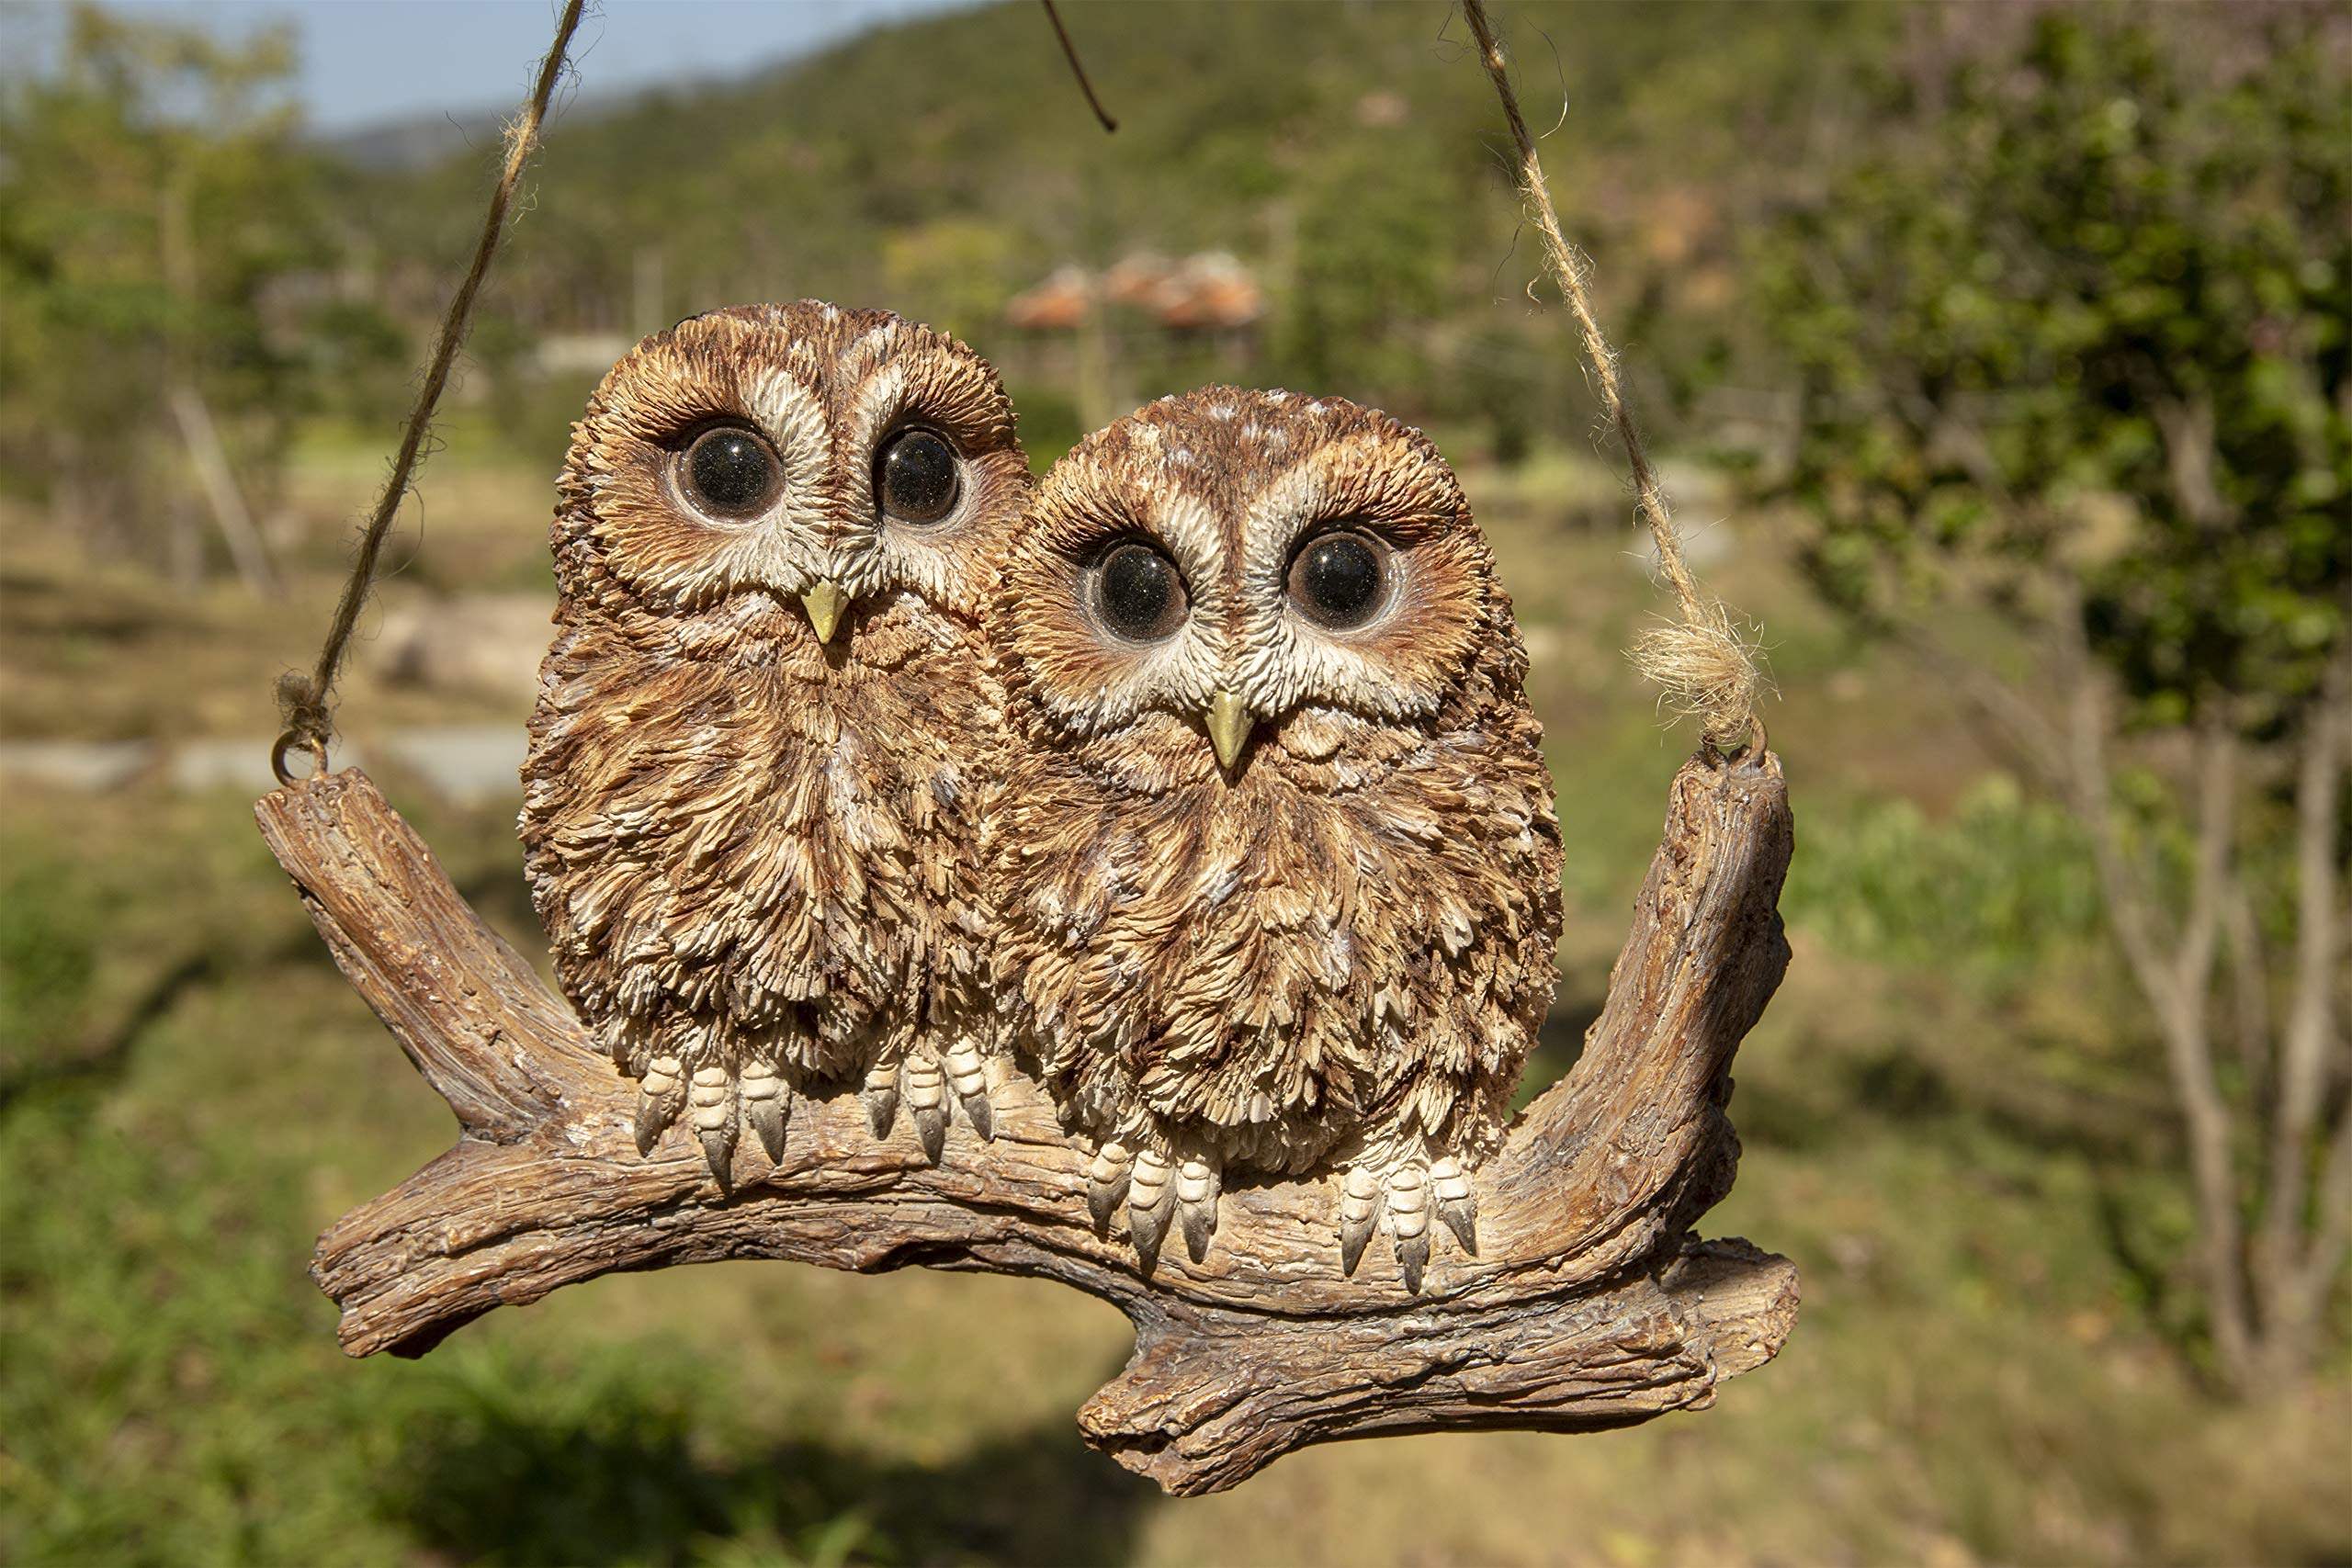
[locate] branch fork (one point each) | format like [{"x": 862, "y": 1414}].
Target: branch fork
[{"x": 1591, "y": 1303}]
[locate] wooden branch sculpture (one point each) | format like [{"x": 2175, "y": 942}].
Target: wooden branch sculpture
[{"x": 1590, "y": 1305}]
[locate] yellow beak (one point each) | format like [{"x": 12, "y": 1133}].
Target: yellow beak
[
  {"x": 825, "y": 603},
  {"x": 1230, "y": 725}
]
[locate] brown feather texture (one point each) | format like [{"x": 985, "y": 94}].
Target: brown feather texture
[
  {"x": 1278, "y": 876},
  {"x": 759, "y": 762}
]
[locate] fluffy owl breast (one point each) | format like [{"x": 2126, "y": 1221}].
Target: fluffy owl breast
[
  {"x": 734, "y": 823},
  {"x": 1270, "y": 967}
]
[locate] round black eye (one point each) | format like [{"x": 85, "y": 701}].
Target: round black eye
[
  {"x": 915, "y": 477},
  {"x": 1138, "y": 593},
  {"x": 730, "y": 472},
  {"x": 1339, "y": 579}
]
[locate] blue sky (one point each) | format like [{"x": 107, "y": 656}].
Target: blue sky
[{"x": 367, "y": 62}]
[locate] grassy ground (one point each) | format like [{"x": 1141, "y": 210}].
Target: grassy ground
[{"x": 1952, "y": 1112}]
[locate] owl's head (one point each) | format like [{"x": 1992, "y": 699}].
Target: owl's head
[
  {"x": 1228, "y": 564},
  {"x": 800, "y": 451}
]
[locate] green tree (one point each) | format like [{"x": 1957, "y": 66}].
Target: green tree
[
  {"x": 156, "y": 214},
  {"x": 2074, "y": 339}
]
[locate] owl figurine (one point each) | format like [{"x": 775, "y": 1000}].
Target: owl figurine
[
  {"x": 758, "y": 765},
  {"x": 1276, "y": 862}
]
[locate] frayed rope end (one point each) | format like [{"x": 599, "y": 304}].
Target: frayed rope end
[{"x": 1706, "y": 668}]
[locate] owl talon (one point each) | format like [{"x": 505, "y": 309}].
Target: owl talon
[
  {"x": 1106, "y": 1184},
  {"x": 1152, "y": 1203},
  {"x": 1458, "y": 1201},
  {"x": 880, "y": 1096},
  {"x": 925, "y": 1089},
  {"x": 718, "y": 1152},
  {"x": 1408, "y": 1221},
  {"x": 711, "y": 1108},
  {"x": 1197, "y": 1188},
  {"x": 968, "y": 1077},
  {"x": 931, "y": 1131},
  {"x": 1413, "y": 1256},
  {"x": 1358, "y": 1213},
  {"x": 660, "y": 1095},
  {"x": 983, "y": 1117},
  {"x": 1401, "y": 1202},
  {"x": 765, "y": 1108}
]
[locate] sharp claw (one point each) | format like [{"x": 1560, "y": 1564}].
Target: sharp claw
[
  {"x": 1101, "y": 1202},
  {"x": 930, "y": 1130},
  {"x": 1196, "y": 1195},
  {"x": 1457, "y": 1203},
  {"x": 651, "y": 1118},
  {"x": 1150, "y": 1227},
  {"x": 1200, "y": 1224},
  {"x": 767, "y": 1117},
  {"x": 718, "y": 1150},
  {"x": 880, "y": 1096},
  {"x": 660, "y": 1094},
  {"x": 711, "y": 1107},
  {"x": 1408, "y": 1222},
  {"x": 983, "y": 1117},
  {"x": 1106, "y": 1184},
  {"x": 967, "y": 1075},
  {"x": 926, "y": 1093},
  {"x": 1359, "y": 1210},
  {"x": 1413, "y": 1256},
  {"x": 1151, "y": 1200},
  {"x": 764, "y": 1107}
]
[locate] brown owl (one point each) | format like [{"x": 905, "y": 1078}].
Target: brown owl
[
  {"x": 1277, "y": 866},
  {"x": 757, "y": 768}
]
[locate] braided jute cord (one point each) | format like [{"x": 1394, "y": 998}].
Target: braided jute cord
[
  {"x": 1703, "y": 663},
  {"x": 302, "y": 700}
]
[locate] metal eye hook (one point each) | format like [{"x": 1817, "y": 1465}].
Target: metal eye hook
[{"x": 286, "y": 743}]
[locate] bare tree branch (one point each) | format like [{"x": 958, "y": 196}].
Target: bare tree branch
[
  {"x": 2187, "y": 430},
  {"x": 2019, "y": 727},
  {"x": 2176, "y": 983},
  {"x": 2332, "y": 1225},
  {"x": 2249, "y": 995},
  {"x": 2310, "y": 1039}
]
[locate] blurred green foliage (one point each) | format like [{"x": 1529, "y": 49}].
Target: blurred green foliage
[
  {"x": 1998, "y": 891},
  {"x": 160, "y": 218},
  {"x": 2086, "y": 301}
]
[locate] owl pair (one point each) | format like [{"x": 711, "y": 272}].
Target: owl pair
[{"x": 1197, "y": 779}]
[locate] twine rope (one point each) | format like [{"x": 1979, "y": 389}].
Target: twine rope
[
  {"x": 303, "y": 700},
  {"x": 1705, "y": 665}
]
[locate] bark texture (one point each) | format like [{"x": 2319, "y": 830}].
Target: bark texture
[{"x": 1590, "y": 1305}]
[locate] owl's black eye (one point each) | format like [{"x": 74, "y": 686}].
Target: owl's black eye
[
  {"x": 730, "y": 472},
  {"x": 914, "y": 475},
  {"x": 1138, "y": 593},
  {"x": 1339, "y": 579}
]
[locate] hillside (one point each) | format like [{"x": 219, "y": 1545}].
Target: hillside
[{"x": 1344, "y": 152}]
